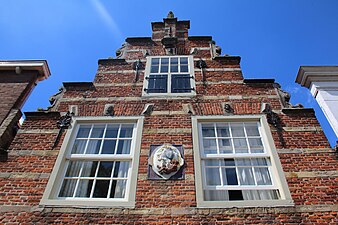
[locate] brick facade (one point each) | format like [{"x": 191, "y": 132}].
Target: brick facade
[{"x": 308, "y": 162}]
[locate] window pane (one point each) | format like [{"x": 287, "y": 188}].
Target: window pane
[
  {"x": 108, "y": 147},
  {"x": 97, "y": 131},
  {"x": 105, "y": 169},
  {"x": 155, "y": 61},
  {"x": 67, "y": 189},
  {"x": 180, "y": 83},
  {"x": 79, "y": 147},
  {"x": 240, "y": 145},
  {"x": 101, "y": 189},
  {"x": 237, "y": 130},
  {"x": 225, "y": 146},
  {"x": 83, "y": 131},
  {"x": 126, "y": 131},
  {"x": 246, "y": 176},
  {"x": 208, "y": 130},
  {"x": 93, "y": 147},
  {"x": 222, "y": 130},
  {"x": 118, "y": 189},
  {"x": 184, "y": 60},
  {"x": 164, "y": 65},
  {"x": 73, "y": 169},
  {"x": 229, "y": 176},
  {"x": 260, "y": 162},
  {"x": 211, "y": 162},
  {"x": 256, "y": 145},
  {"x": 112, "y": 130},
  {"x": 212, "y": 176},
  {"x": 157, "y": 84},
  {"x": 184, "y": 69},
  {"x": 251, "y": 129},
  {"x": 164, "y": 69},
  {"x": 89, "y": 169},
  {"x": 123, "y": 147},
  {"x": 174, "y": 61},
  {"x": 260, "y": 194},
  {"x": 121, "y": 169},
  {"x": 84, "y": 188},
  {"x": 154, "y": 69},
  {"x": 164, "y": 61},
  {"x": 262, "y": 176},
  {"x": 228, "y": 162},
  {"x": 235, "y": 195},
  {"x": 243, "y": 162},
  {"x": 219, "y": 195},
  {"x": 209, "y": 146}
]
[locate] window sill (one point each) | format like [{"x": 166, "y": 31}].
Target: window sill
[
  {"x": 87, "y": 203},
  {"x": 169, "y": 95},
  {"x": 245, "y": 204}
]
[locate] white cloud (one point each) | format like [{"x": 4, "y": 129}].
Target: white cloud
[{"x": 107, "y": 18}]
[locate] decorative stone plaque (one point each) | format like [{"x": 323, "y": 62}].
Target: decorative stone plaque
[{"x": 165, "y": 162}]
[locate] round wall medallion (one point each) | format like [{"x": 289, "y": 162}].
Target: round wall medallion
[{"x": 166, "y": 160}]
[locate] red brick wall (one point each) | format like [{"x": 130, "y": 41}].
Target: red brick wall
[{"x": 310, "y": 165}]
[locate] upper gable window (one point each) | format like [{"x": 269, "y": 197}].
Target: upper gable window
[{"x": 169, "y": 75}]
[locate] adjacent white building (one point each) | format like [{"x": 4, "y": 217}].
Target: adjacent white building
[{"x": 322, "y": 82}]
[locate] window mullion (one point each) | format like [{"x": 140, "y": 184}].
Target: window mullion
[
  {"x": 231, "y": 138},
  {"x": 88, "y": 138}
]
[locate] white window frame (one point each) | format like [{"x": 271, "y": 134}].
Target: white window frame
[
  {"x": 50, "y": 196},
  {"x": 277, "y": 174},
  {"x": 168, "y": 93}
]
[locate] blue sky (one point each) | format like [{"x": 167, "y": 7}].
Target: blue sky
[{"x": 273, "y": 38}]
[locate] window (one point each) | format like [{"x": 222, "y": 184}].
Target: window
[
  {"x": 236, "y": 164},
  {"x": 172, "y": 75},
  {"x": 97, "y": 165}
]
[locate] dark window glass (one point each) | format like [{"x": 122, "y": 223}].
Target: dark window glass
[
  {"x": 235, "y": 195},
  {"x": 101, "y": 189},
  {"x": 180, "y": 83},
  {"x": 157, "y": 84}
]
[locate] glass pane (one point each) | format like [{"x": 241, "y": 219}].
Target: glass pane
[
  {"x": 211, "y": 162},
  {"x": 262, "y": 176},
  {"x": 222, "y": 130},
  {"x": 67, "y": 189},
  {"x": 235, "y": 195},
  {"x": 112, "y": 131},
  {"x": 251, "y": 129},
  {"x": 209, "y": 146},
  {"x": 155, "y": 61},
  {"x": 101, "y": 189},
  {"x": 121, "y": 169},
  {"x": 73, "y": 169},
  {"x": 118, "y": 189},
  {"x": 256, "y": 145},
  {"x": 212, "y": 176},
  {"x": 240, "y": 145},
  {"x": 164, "y": 69},
  {"x": 126, "y": 131},
  {"x": 243, "y": 162},
  {"x": 246, "y": 176},
  {"x": 108, "y": 147},
  {"x": 105, "y": 169},
  {"x": 225, "y": 146},
  {"x": 97, "y": 131},
  {"x": 228, "y": 162},
  {"x": 229, "y": 176},
  {"x": 219, "y": 195},
  {"x": 208, "y": 130},
  {"x": 154, "y": 69},
  {"x": 174, "y": 68},
  {"x": 157, "y": 84},
  {"x": 123, "y": 147},
  {"x": 93, "y": 147},
  {"x": 260, "y": 162},
  {"x": 84, "y": 188},
  {"x": 83, "y": 131},
  {"x": 174, "y": 61},
  {"x": 260, "y": 194},
  {"x": 184, "y": 69},
  {"x": 79, "y": 147},
  {"x": 237, "y": 130},
  {"x": 180, "y": 83},
  {"x": 165, "y": 61},
  {"x": 89, "y": 169},
  {"x": 184, "y": 60}
]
